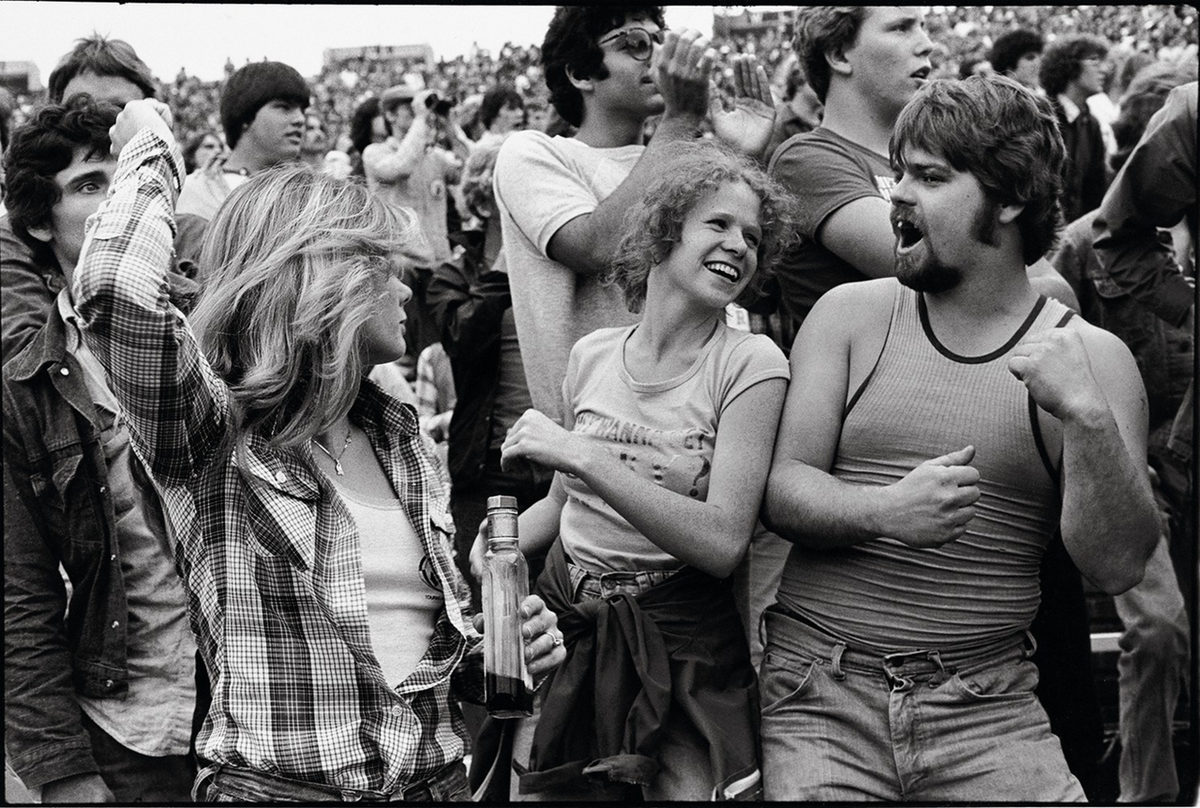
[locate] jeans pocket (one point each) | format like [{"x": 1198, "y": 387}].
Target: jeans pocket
[
  {"x": 1005, "y": 682},
  {"x": 783, "y": 678}
]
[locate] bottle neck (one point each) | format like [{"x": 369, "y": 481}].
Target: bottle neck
[{"x": 502, "y": 542}]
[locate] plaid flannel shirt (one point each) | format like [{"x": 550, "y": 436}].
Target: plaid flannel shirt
[{"x": 269, "y": 553}]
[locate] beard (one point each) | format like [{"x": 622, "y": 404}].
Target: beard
[{"x": 925, "y": 271}]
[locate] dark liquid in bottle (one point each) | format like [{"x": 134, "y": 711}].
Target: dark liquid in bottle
[{"x": 507, "y": 697}]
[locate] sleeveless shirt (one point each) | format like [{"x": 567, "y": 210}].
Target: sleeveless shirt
[{"x": 922, "y": 401}]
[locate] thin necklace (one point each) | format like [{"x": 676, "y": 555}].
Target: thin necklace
[{"x": 337, "y": 461}]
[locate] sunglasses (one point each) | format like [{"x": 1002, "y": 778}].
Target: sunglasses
[{"x": 637, "y": 42}]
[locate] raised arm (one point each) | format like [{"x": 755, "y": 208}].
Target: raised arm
[
  {"x": 395, "y": 159},
  {"x": 805, "y": 503},
  {"x": 175, "y": 404},
  {"x": 1155, "y": 188},
  {"x": 681, "y": 69},
  {"x": 1088, "y": 379}
]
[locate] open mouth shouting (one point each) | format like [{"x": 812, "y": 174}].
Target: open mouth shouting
[
  {"x": 725, "y": 270},
  {"x": 908, "y": 234},
  {"x": 921, "y": 74}
]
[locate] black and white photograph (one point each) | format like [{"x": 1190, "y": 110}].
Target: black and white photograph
[{"x": 605, "y": 404}]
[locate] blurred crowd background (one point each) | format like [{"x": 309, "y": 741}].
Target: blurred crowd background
[{"x": 963, "y": 34}]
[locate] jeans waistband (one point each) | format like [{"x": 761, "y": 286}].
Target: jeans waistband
[
  {"x": 588, "y": 585},
  {"x": 433, "y": 788},
  {"x": 795, "y": 634}
]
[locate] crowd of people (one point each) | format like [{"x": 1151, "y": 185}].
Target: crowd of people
[{"x": 824, "y": 367}]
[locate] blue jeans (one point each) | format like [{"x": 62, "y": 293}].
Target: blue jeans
[
  {"x": 841, "y": 724},
  {"x": 683, "y": 772},
  {"x": 1153, "y": 661},
  {"x": 227, "y": 784}
]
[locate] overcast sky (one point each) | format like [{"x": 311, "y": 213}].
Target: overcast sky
[{"x": 199, "y": 36}]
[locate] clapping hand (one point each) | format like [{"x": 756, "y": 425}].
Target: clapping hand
[{"x": 748, "y": 123}]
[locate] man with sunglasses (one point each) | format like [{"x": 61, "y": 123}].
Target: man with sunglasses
[{"x": 562, "y": 200}]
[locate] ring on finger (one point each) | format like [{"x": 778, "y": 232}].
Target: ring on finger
[{"x": 555, "y": 638}]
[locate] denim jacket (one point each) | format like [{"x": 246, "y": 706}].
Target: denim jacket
[{"x": 56, "y": 510}]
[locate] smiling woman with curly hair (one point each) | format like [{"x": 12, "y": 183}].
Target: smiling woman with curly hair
[{"x": 660, "y": 472}]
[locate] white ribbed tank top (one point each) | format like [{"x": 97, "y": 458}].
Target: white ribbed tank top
[{"x": 922, "y": 401}]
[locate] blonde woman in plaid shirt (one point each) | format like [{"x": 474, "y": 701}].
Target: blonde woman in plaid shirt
[{"x": 282, "y": 471}]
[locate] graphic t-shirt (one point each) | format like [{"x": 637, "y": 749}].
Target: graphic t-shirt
[
  {"x": 665, "y": 431},
  {"x": 824, "y": 172}
]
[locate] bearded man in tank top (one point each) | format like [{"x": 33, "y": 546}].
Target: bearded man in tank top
[{"x": 940, "y": 427}]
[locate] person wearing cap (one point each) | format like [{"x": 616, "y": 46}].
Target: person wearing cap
[
  {"x": 409, "y": 170},
  {"x": 262, "y": 112}
]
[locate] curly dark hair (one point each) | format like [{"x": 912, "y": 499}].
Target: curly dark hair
[
  {"x": 571, "y": 44},
  {"x": 104, "y": 57},
  {"x": 655, "y": 225},
  {"x": 496, "y": 99},
  {"x": 45, "y": 145},
  {"x": 821, "y": 30},
  {"x": 1008, "y": 48},
  {"x": 1004, "y": 134},
  {"x": 1062, "y": 61}
]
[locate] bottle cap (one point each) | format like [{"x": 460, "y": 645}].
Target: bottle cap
[{"x": 502, "y": 501}]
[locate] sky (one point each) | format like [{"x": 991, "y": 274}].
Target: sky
[{"x": 199, "y": 36}]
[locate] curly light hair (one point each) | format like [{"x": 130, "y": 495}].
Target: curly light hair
[
  {"x": 296, "y": 261},
  {"x": 655, "y": 225},
  {"x": 477, "y": 179}
]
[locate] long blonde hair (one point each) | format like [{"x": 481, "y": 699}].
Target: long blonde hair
[{"x": 294, "y": 262}]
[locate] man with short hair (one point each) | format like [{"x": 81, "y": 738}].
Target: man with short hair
[
  {"x": 864, "y": 63},
  {"x": 1073, "y": 69},
  {"x": 98, "y": 707},
  {"x": 1018, "y": 55},
  {"x": 562, "y": 200},
  {"x": 109, "y": 71},
  {"x": 897, "y": 655},
  {"x": 262, "y": 112},
  {"x": 106, "y": 69}
]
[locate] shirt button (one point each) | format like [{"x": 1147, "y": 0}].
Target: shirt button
[
  {"x": 64, "y": 371},
  {"x": 112, "y": 557},
  {"x": 104, "y": 489},
  {"x": 116, "y": 623},
  {"x": 108, "y": 683},
  {"x": 280, "y": 477},
  {"x": 397, "y": 709}
]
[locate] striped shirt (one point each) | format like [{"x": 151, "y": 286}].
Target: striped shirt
[{"x": 269, "y": 553}]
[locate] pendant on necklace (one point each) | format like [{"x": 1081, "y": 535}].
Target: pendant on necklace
[{"x": 337, "y": 466}]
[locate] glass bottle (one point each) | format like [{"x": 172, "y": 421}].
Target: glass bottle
[{"x": 508, "y": 687}]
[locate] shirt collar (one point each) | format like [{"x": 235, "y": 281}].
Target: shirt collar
[
  {"x": 1069, "y": 109},
  {"x": 70, "y": 317}
]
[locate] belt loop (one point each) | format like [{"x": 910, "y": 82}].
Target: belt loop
[
  {"x": 1031, "y": 643},
  {"x": 838, "y": 650},
  {"x": 200, "y": 787}
]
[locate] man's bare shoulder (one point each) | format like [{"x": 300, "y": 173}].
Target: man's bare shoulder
[
  {"x": 852, "y": 304},
  {"x": 1104, "y": 347}
]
